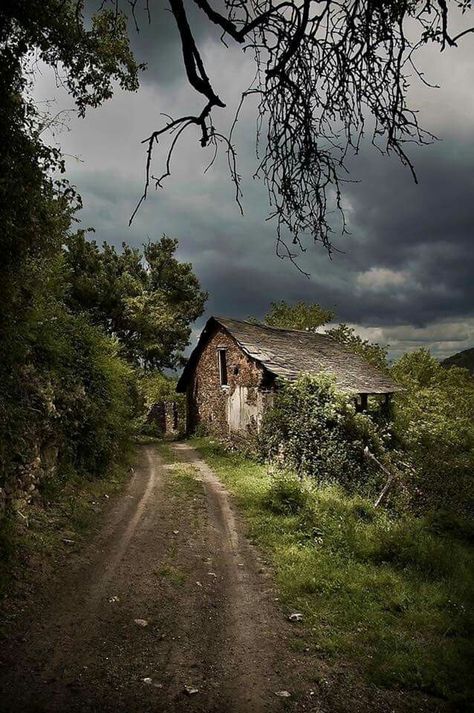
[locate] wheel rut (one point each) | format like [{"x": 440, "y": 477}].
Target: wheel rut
[{"x": 168, "y": 599}]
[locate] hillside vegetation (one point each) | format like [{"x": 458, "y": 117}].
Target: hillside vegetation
[
  {"x": 79, "y": 321},
  {"x": 464, "y": 359}
]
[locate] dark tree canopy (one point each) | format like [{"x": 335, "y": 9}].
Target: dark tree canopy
[
  {"x": 89, "y": 56},
  {"x": 61, "y": 380},
  {"x": 147, "y": 300},
  {"x": 325, "y": 72},
  {"x": 35, "y": 205}
]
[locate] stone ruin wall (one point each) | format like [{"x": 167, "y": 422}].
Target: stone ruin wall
[
  {"x": 18, "y": 491},
  {"x": 222, "y": 411}
]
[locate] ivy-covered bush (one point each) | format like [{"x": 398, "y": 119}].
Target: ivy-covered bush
[
  {"x": 74, "y": 398},
  {"x": 95, "y": 396},
  {"x": 314, "y": 430}
]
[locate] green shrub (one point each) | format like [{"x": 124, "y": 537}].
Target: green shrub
[
  {"x": 315, "y": 430},
  {"x": 434, "y": 425},
  {"x": 74, "y": 392},
  {"x": 287, "y": 494},
  {"x": 92, "y": 391}
]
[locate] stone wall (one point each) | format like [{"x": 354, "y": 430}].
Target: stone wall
[
  {"x": 167, "y": 417},
  {"x": 235, "y": 409},
  {"x": 20, "y": 489}
]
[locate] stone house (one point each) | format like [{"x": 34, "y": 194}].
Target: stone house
[{"x": 231, "y": 375}]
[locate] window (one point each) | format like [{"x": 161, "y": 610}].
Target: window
[{"x": 222, "y": 357}]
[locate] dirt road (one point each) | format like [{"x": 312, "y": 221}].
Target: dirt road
[{"x": 168, "y": 609}]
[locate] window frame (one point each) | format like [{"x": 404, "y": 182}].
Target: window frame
[{"x": 223, "y": 367}]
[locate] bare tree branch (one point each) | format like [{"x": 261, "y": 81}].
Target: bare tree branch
[{"x": 323, "y": 69}]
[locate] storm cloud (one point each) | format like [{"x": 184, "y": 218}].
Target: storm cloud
[{"x": 404, "y": 274}]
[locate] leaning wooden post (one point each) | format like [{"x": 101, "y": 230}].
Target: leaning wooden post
[{"x": 391, "y": 477}]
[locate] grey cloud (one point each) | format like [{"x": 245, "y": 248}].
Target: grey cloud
[
  {"x": 422, "y": 233},
  {"x": 425, "y": 231}
]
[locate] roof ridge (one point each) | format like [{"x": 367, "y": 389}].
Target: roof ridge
[
  {"x": 268, "y": 326},
  {"x": 284, "y": 353}
]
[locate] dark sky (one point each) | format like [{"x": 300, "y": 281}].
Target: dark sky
[{"x": 405, "y": 273}]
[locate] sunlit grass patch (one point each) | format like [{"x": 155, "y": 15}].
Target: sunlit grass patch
[
  {"x": 184, "y": 480},
  {"x": 391, "y": 595},
  {"x": 172, "y": 574}
]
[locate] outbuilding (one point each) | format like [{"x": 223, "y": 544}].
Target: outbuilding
[{"x": 231, "y": 376}]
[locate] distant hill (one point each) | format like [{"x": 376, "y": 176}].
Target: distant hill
[{"x": 465, "y": 359}]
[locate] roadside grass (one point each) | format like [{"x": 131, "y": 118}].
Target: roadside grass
[
  {"x": 393, "y": 596},
  {"x": 66, "y": 510},
  {"x": 183, "y": 482},
  {"x": 166, "y": 451}
]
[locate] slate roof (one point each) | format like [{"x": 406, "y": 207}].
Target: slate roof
[{"x": 287, "y": 353}]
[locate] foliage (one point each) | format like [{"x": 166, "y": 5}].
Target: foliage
[
  {"x": 63, "y": 387},
  {"x": 374, "y": 353},
  {"x": 315, "y": 431},
  {"x": 146, "y": 300},
  {"x": 156, "y": 390},
  {"x": 90, "y": 54},
  {"x": 388, "y": 595},
  {"x": 89, "y": 57},
  {"x": 72, "y": 393},
  {"x": 287, "y": 494},
  {"x": 158, "y": 387},
  {"x": 434, "y": 423},
  {"x": 300, "y": 315},
  {"x": 35, "y": 208}
]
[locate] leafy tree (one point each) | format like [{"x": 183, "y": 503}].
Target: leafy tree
[
  {"x": 62, "y": 386},
  {"x": 300, "y": 315},
  {"x": 68, "y": 391},
  {"x": 35, "y": 208},
  {"x": 90, "y": 54},
  {"x": 434, "y": 422},
  {"x": 158, "y": 387},
  {"x": 373, "y": 353},
  {"x": 146, "y": 300},
  {"x": 321, "y": 71}
]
